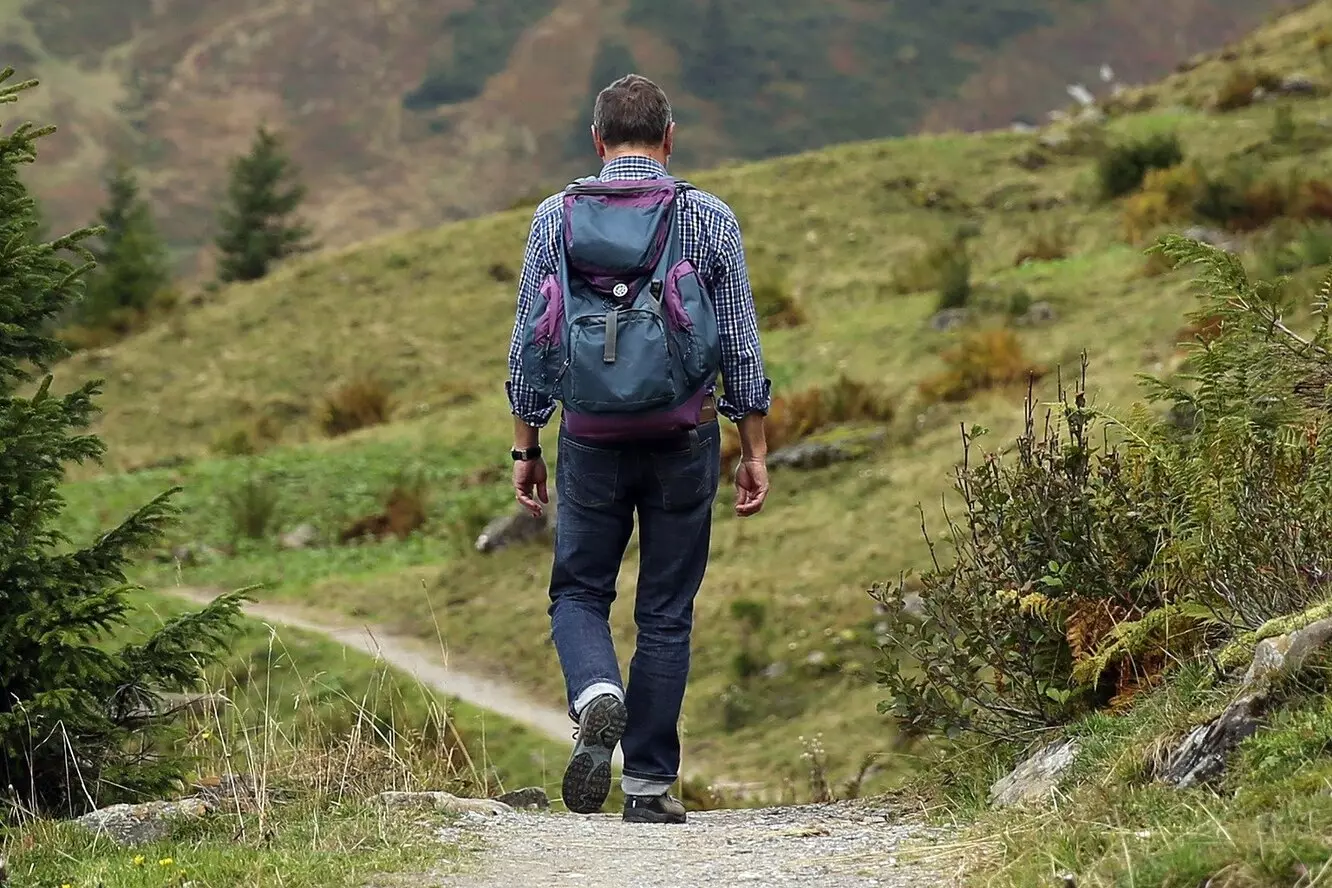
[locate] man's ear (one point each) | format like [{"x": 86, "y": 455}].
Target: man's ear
[
  {"x": 598, "y": 144},
  {"x": 669, "y": 144}
]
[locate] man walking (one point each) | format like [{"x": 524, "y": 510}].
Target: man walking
[{"x": 634, "y": 295}]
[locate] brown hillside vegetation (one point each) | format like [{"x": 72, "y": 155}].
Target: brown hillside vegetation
[{"x": 409, "y": 113}]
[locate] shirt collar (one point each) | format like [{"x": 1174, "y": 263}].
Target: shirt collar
[{"x": 632, "y": 166}]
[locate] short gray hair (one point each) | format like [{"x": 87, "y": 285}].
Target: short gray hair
[{"x": 632, "y": 111}]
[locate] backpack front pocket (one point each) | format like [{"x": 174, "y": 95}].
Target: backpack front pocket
[{"x": 620, "y": 362}]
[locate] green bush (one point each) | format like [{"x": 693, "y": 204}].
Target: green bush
[
  {"x": 1122, "y": 168},
  {"x": 1081, "y": 572}
]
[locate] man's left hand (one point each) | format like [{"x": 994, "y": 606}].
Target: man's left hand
[{"x": 529, "y": 484}]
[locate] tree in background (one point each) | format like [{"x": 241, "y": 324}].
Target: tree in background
[
  {"x": 133, "y": 271},
  {"x": 258, "y": 220},
  {"x": 76, "y": 705}
]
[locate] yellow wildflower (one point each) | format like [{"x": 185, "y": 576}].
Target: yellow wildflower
[{"x": 165, "y": 861}]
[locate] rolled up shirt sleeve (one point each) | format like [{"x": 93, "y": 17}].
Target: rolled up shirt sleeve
[
  {"x": 746, "y": 387},
  {"x": 538, "y": 261}
]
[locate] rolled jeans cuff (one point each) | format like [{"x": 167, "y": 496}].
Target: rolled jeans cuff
[
  {"x": 594, "y": 691},
  {"x": 645, "y": 786}
]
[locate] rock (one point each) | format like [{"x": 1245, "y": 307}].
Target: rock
[
  {"x": 300, "y": 537},
  {"x": 1298, "y": 85},
  {"x": 809, "y": 455},
  {"x": 532, "y": 797},
  {"x": 1285, "y": 654},
  {"x": 1036, "y": 777},
  {"x": 445, "y": 802},
  {"x": 1202, "y": 755},
  {"x": 139, "y": 824},
  {"x": 949, "y": 319},
  {"x": 1036, "y": 314},
  {"x": 518, "y": 526}
]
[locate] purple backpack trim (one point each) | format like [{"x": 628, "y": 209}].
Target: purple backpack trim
[
  {"x": 642, "y": 425},
  {"x": 552, "y": 317},
  {"x": 675, "y": 310}
]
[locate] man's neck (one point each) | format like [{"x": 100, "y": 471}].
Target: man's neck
[{"x": 646, "y": 153}]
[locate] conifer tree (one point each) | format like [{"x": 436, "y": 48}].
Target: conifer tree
[
  {"x": 132, "y": 265},
  {"x": 258, "y": 222},
  {"x": 73, "y": 729}
]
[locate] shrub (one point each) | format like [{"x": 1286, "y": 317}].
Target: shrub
[
  {"x": 944, "y": 266},
  {"x": 361, "y": 403},
  {"x": 404, "y": 513},
  {"x": 1167, "y": 195},
  {"x": 983, "y": 360},
  {"x": 248, "y": 437},
  {"x": 775, "y": 305},
  {"x": 1122, "y": 168},
  {"x": 252, "y": 508},
  {"x": 1046, "y": 245},
  {"x": 954, "y": 278},
  {"x": 806, "y": 412},
  {"x": 75, "y": 698},
  {"x": 1242, "y": 201},
  {"x": 1241, "y": 88},
  {"x": 1046, "y": 560},
  {"x": 1081, "y": 574}
]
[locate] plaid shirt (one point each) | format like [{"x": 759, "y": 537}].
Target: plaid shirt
[{"x": 710, "y": 236}]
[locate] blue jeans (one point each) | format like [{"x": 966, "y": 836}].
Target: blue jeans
[{"x": 672, "y": 486}]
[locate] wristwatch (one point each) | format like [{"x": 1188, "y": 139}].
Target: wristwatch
[{"x": 530, "y": 453}]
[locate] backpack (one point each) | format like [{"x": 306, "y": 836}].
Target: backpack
[{"x": 624, "y": 333}]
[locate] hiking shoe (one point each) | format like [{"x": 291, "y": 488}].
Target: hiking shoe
[
  {"x": 587, "y": 779},
  {"x": 664, "y": 808}
]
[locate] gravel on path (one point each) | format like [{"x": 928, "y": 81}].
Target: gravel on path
[{"x": 841, "y": 845}]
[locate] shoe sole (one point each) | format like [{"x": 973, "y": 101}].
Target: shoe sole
[
  {"x": 649, "y": 817},
  {"x": 587, "y": 779}
]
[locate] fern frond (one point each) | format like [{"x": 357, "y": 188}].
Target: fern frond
[{"x": 1162, "y": 629}]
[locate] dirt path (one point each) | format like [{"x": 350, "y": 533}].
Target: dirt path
[
  {"x": 418, "y": 660},
  {"x": 843, "y": 845}
]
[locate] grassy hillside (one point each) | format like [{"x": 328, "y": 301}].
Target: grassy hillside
[
  {"x": 412, "y": 113},
  {"x": 841, "y": 234}
]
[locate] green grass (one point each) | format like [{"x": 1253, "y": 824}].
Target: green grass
[
  {"x": 423, "y": 312},
  {"x": 323, "y": 728},
  {"x": 293, "y": 694},
  {"x": 316, "y": 845},
  {"x": 1264, "y": 825}
]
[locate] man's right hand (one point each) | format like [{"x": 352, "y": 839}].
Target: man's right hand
[
  {"x": 529, "y": 484},
  {"x": 751, "y": 486}
]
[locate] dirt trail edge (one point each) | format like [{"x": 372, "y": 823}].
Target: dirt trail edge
[
  {"x": 843, "y": 845},
  {"x": 416, "y": 659}
]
